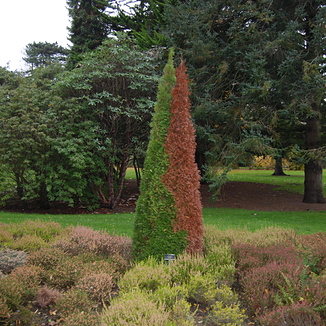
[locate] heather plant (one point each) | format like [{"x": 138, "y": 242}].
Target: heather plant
[
  {"x": 299, "y": 314},
  {"x": 18, "y": 290},
  {"x": 5, "y": 311},
  {"x": 270, "y": 236},
  {"x": 221, "y": 262},
  {"x": 47, "y": 231},
  {"x": 81, "y": 319},
  {"x": 181, "y": 314},
  {"x": 187, "y": 265},
  {"x": 73, "y": 301},
  {"x": 29, "y": 276},
  {"x": 29, "y": 243},
  {"x": 315, "y": 295},
  {"x": 269, "y": 276},
  {"x": 5, "y": 236},
  {"x": 203, "y": 289},
  {"x": 101, "y": 266},
  {"x": 313, "y": 249},
  {"x": 47, "y": 296},
  {"x": 10, "y": 259},
  {"x": 135, "y": 308},
  {"x": 221, "y": 314},
  {"x": 98, "y": 286},
  {"x": 145, "y": 275},
  {"x": 250, "y": 256},
  {"x": 47, "y": 258},
  {"x": 66, "y": 274},
  {"x": 170, "y": 295},
  {"x": 83, "y": 239}
]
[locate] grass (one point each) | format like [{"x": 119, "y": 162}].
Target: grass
[
  {"x": 292, "y": 183},
  {"x": 122, "y": 224},
  {"x": 223, "y": 218}
]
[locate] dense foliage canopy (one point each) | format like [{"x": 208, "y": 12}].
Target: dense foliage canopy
[{"x": 257, "y": 79}]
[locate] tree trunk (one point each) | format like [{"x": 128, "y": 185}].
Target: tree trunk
[
  {"x": 313, "y": 184},
  {"x": 278, "y": 171},
  {"x": 43, "y": 196}
]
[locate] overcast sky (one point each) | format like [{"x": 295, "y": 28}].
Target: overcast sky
[{"x": 28, "y": 21}]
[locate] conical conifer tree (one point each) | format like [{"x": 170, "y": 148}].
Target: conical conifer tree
[
  {"x": 182, "y": 177},
  {"x": 162, "y": 225}
]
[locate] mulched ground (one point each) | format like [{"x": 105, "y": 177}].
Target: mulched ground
[{"x": 246, "y": 195}]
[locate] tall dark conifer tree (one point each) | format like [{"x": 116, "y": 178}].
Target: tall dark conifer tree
[
  {"x": 89, "y": 26},
  {"x": 254, "y": 62}
]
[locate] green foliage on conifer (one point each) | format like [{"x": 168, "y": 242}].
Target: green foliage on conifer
[
  {"x": 169, "y": 211},
  {"x": 156, "y": 212}
]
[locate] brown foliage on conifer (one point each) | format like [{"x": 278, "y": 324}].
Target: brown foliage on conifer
[{"x": 182, "y": 177}]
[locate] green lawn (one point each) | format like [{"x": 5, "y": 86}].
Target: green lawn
[
  {"x": 302, "y": 222},
  {"x": 293, "y": 182}
]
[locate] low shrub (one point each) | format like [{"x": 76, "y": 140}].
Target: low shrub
[
  {"x": 250, "y": 256},
  {"x": 20, "y": 286},
  {"x": 29, "y": 276},
  {"x": 222, "y": 314},
  {"x": 221, "y": 263},
  {"x": 270, "y": 285},
  {"x": 313, "y": 248},
  {"x": 47, "y": 231},
  {"x": 99, "y": 286},
  {"x": 46, "y": 296},
  {"x": 180, "y": 314},
  {"x": 298, "y": 314},
  {"x": 5, "y": 236},
  {"x": 101, "y": 266},
  {"x": 204, "y": 290},
  {"x": 170, "y": 295},
  {"x": 73, "y": 301},
  {"x": 315, "y": 295},
  {"x": 29, "y": 243},
  {"x": 270, "y": 236},
  {"x": 10, "y": 259},
  {"x": 135, "y": 308},
  {"x": 5, "y": 311},
  {"x": 187, "y": 265},
  {"x": 84, "y": 239},
  {"x": 66, "y": 274},
  {"x": 146, "y": 275},
  {"x": 81, "y": 319},
  {"x": 48, "y": 258}
]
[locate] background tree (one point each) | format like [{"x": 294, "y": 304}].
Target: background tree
[
  {"x": 111, "y": 89},
  {"x": 164, "y": 221},
  {"x": 248, "y": 61},
  {"x": 44, "y": 53},
  {"x": 89, "y": 27},
  {"x": 25, "y": 134}
]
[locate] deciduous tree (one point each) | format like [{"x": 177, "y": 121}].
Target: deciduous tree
[{"x": 112, "y": 89}]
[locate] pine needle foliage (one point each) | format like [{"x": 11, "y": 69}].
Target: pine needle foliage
[{"x": 168, "y": 212}]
